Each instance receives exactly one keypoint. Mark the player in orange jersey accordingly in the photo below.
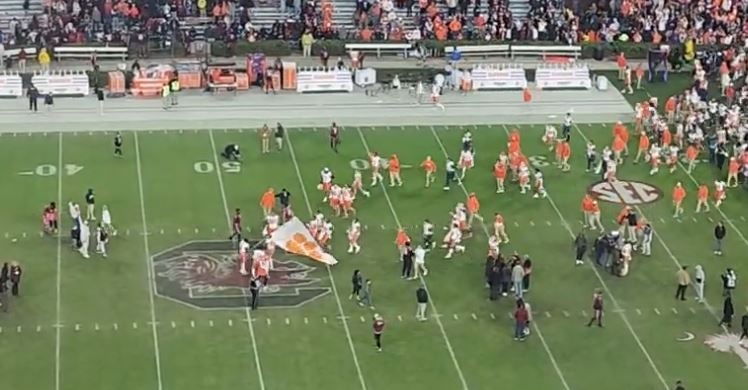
(499, 228)
(267, 201)
(643, 146)
(702, 198)
(692, 152)
(565, 156)
(473, 207)
(719, 193)
(679, 193)
(499, 172)
(732, 172)
(394, 170)
(587, 209)
(429, 167)
(667, 137)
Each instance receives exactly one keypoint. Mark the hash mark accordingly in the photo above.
(455, 316)
(324, 319)
(694, 219)
(516, 224)
(38, 328)
(306, 320)
(548, 223)
(584, 313)
(693, 311)
(493, 317)
(214, 230)
(173, 324)
(96, 326)
(115, 326)
(162, 231)
(179, 231)
(288, 321)
(268, 321)
(639, 312)
(23, 234)
(548, 314)
(197, 230)
(231, 322)
(510, 315)
(19, 329)
(710, 219)
(656, 311)
(675, 311)
(399, 318)
(566, 314)
(742, 218)
(135, 325)
(662, 220)
(210, 323)
(475, 317)
(532, 223)
(77, 327)
(192, 323)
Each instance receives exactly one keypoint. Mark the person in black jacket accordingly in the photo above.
(254, 289)
(356, 280)
(490, 261)
(15, 278)
(422, 300)
(744, 325)
(727, 312)
(4, 288)
(33, 94)
(719, 234)
(580, 247)
(407, 262)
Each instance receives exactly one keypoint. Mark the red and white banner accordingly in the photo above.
(293, 236)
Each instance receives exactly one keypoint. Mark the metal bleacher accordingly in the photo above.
(10, 9)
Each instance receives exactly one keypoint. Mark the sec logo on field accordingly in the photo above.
(625, 192)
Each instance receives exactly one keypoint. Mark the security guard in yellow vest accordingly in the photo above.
(165, 92)
(173, 89)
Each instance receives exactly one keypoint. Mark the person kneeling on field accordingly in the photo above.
(231, 152)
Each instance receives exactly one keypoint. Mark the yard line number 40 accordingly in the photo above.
(51, 170)
(208, 167)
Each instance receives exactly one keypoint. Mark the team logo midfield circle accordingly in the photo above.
(625, 192)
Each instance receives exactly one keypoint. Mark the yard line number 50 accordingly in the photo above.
(208, 167)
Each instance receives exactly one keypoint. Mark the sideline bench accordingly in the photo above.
(379, 48)
(480, 50)
(86, 52)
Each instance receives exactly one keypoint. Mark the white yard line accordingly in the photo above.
(329, 271)
(149, 266)
(664, 245)
(214, 151)
(58, 309)
(608, 291)
(423, 282)
(535, 326)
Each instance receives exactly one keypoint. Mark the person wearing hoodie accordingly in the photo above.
(729, 280)
(699, 278)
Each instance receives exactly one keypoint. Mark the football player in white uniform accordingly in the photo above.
(376, 166)
(354, 233)
(549, 138)
(452, 241)
(358, 184)
(467, 160)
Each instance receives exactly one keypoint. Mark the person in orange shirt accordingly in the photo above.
(618, 148)
(514, 137)
(639, 71)
(473, 207)
(622, 63)
(692, 152)
(732, 172)
(620, 130)
(670, 106)
(394, 170)
(499, 228)
(267, 201)
(643, 146)
(586, 209)
(565, 155)
(499, 172)
(429, 167)
(679, 193)
(702, 198)
(366, 34)
(400, 240)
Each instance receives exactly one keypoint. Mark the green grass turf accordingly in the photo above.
(309, 346)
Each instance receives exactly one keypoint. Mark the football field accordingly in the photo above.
(167, 309)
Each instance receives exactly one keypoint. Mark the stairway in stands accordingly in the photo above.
(10, 9)
(519, 9)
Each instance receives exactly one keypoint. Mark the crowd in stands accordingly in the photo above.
(136, 22)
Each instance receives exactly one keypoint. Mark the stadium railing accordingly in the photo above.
(480, 50)
(379, 48)
(546, 51)
(87, 51)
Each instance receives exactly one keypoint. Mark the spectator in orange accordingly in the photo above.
(267, 201)
(440, 31)
(639, 71)
(455, 27)
(366, 34)
(622, 63)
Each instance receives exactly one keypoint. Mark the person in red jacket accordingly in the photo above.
(378, 328)
(521, 317)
